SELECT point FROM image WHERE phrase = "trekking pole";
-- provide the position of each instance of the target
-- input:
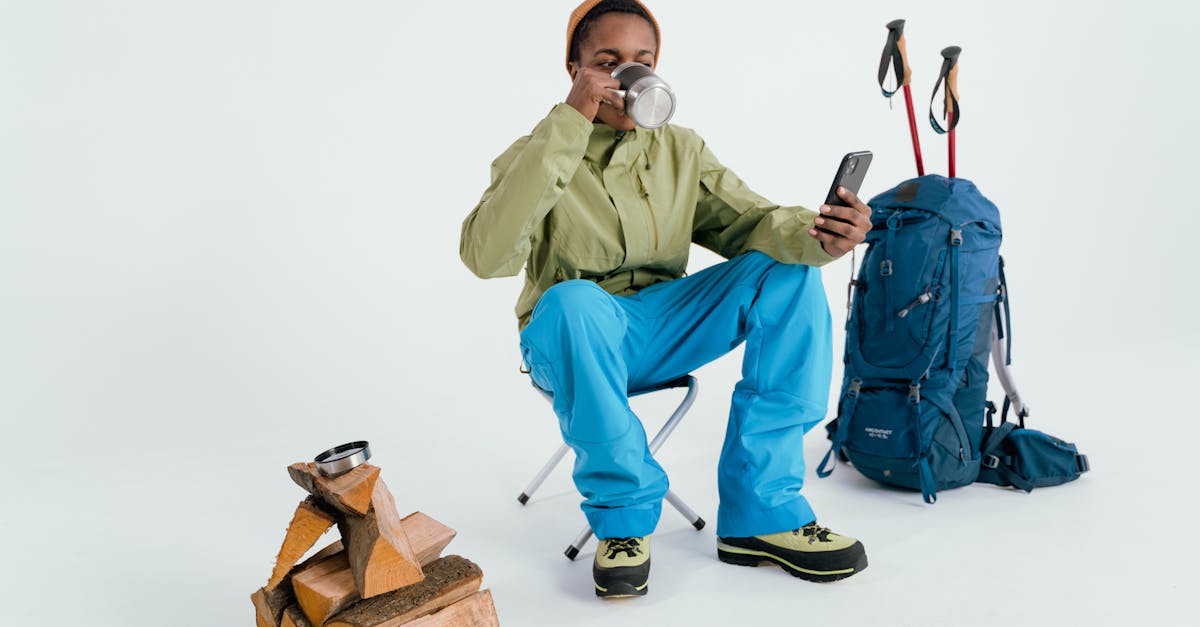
(950, 111)
(895, 58)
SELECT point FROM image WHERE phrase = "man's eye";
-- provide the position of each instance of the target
(607, 64)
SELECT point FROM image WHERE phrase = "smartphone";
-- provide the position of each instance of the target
(850, 174)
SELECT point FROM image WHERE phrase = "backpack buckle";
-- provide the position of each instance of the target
(990, 461)
(885, 267)
(914, 393)
(855, 386)
(956, 237)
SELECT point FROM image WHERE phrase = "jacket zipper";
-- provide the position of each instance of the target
(646, 199)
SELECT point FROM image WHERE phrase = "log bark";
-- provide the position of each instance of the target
(476, 610)
(381, 556)
(308, 524)
(447, 581)
(293, 616)
(349, 493)
(325, 588)
(265, 615)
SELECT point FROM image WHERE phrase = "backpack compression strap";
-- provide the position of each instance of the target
(991, 458)
(849, 403)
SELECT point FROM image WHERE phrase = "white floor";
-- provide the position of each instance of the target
(174, 526)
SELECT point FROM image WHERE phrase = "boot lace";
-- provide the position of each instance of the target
(631, 546)
(814, 533)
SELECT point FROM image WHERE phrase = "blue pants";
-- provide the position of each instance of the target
(589, 349)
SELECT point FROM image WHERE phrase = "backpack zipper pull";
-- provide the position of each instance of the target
(920, 300)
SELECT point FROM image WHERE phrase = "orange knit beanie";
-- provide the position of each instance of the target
(588, 5)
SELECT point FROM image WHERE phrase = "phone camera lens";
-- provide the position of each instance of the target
(852, 166)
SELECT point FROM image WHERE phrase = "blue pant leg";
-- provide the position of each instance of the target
(573, 346)
(781, 313)
(784, 391)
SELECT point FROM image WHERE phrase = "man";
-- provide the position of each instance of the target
(601, 214)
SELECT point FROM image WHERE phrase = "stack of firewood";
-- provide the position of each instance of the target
(384, 571)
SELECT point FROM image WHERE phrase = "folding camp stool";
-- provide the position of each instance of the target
(696, 521)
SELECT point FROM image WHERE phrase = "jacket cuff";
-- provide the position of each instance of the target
(568, 121)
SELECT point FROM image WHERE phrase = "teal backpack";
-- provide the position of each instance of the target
(929, 306)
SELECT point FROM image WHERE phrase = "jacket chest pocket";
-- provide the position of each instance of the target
(587, 234)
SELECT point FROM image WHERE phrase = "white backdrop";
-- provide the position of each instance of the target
(228, 240)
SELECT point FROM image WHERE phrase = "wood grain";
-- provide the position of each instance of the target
(427, 537)
(349, 493)
(325, 588)
(381, 556)
(269, 604)
(309, 523)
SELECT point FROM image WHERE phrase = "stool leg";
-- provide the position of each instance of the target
(542, 474)
(680, 411)
(688, 513)
(577, 545)
(692, 517)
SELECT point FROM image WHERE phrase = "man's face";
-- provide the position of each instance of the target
(616, 38)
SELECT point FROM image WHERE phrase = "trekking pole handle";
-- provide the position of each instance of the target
(950, 55)
(947, 82)
(902, 46)
(895, 57)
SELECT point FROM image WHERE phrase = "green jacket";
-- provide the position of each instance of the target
(573, 200)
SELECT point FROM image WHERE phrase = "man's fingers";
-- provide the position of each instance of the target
(836, 226)
(835, 245)
(847, 214)
(853, 201)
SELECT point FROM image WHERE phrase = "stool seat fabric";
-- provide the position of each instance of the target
(590, 350)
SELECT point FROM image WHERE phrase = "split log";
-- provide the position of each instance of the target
(325, 588)
(476, 610)
(308, 524)
(381, 556)
(427, 537)
(447, 581)
(349, 493)
(265, 613)
(325, 584)
(270, 604)
(293, 616)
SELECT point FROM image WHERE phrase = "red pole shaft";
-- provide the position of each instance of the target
(912, 128)
(951, 142)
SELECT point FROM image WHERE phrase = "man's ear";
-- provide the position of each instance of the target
(573, 68)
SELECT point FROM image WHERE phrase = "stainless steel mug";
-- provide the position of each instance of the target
(649, 100)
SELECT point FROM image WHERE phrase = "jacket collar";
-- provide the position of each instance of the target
(605, 148)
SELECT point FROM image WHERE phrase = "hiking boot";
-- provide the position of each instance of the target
(810, 552)
(622, 567)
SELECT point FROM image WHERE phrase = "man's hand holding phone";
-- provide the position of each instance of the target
(844, 219)
(840, 228)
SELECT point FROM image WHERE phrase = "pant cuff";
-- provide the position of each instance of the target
(623, 522)
(746, 522)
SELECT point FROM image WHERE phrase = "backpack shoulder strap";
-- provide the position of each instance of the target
(1002, 349)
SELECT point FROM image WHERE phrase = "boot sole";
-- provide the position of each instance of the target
(623, 581)
(749, 557)
(621, 589)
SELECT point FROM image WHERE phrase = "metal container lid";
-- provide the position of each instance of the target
(343, 458)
